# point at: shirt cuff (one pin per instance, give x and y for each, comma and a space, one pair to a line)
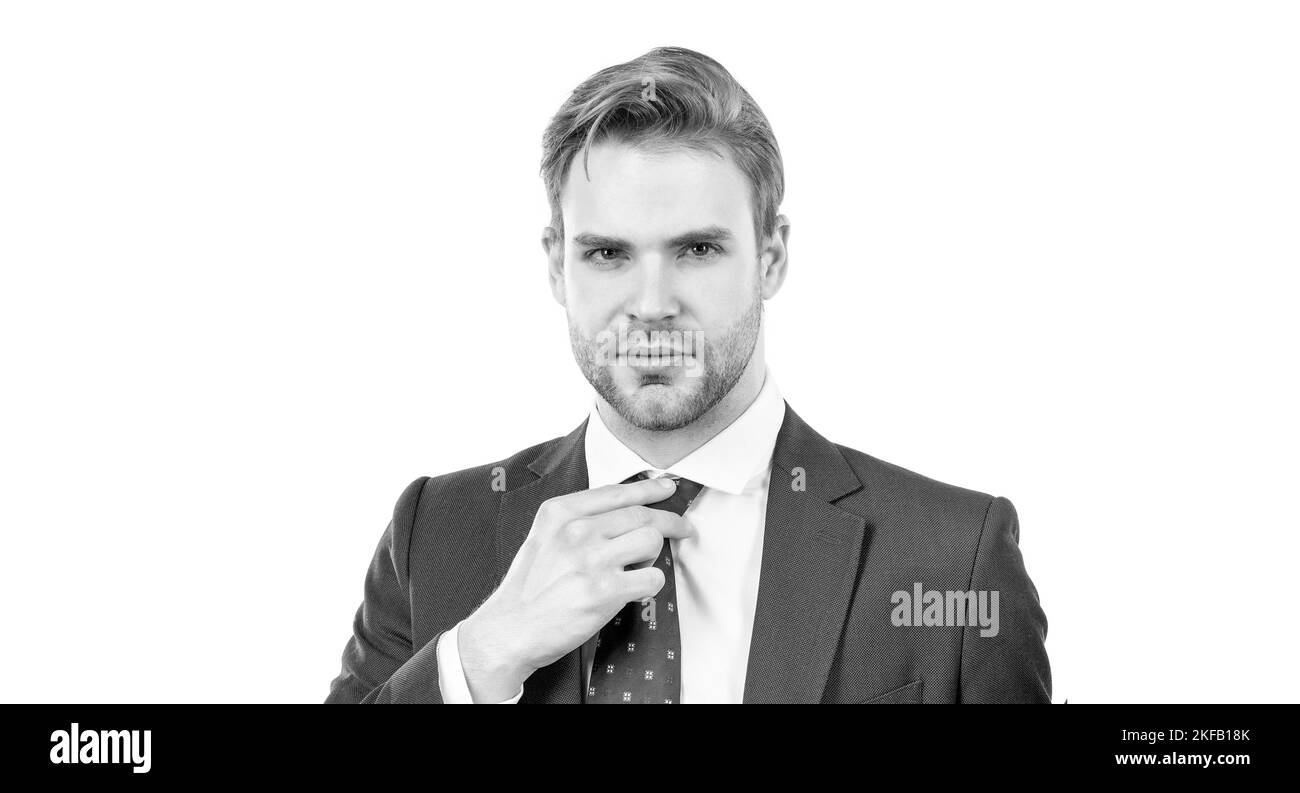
451, 675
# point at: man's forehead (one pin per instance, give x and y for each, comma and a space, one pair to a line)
653, 193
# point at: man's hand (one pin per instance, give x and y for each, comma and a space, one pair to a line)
567, 581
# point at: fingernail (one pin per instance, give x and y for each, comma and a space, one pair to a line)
669, 482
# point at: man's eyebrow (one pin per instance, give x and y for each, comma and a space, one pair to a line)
706, 234
589, 240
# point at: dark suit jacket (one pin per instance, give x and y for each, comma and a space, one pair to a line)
834, 553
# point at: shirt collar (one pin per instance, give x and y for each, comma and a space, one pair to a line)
727, 462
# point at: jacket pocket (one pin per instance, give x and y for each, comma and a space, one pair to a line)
909, 694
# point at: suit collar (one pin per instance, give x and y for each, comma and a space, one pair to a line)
559, 452
811, 550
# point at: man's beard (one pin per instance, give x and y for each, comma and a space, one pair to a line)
723, 360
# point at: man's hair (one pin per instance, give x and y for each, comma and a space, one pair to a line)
666, 98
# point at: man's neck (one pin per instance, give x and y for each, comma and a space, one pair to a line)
664, 448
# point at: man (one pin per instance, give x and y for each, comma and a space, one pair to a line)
693, 540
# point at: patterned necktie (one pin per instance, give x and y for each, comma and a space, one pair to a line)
639, 653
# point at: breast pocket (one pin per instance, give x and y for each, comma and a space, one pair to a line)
909, 694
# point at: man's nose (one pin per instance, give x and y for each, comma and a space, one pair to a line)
655, 295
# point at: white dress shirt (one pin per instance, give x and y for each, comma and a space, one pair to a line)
716, 569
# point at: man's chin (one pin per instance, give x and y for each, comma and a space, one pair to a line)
657, 406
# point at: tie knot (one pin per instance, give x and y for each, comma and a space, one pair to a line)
681, 498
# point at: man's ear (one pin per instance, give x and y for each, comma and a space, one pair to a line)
774, 258
553, 244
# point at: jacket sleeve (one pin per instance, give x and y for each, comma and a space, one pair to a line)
380, 663
1010, 665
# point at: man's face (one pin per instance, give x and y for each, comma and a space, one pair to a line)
659, 257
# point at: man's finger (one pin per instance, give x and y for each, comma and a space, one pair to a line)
643, 583
621, 521
611, 497
639, 545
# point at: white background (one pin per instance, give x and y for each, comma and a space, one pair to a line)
266, 263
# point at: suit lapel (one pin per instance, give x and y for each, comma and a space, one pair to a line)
811, 550
560, 469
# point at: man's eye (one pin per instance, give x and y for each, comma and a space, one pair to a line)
600, 255
703, 249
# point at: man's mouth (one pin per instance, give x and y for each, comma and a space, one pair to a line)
656, 352
659, 362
